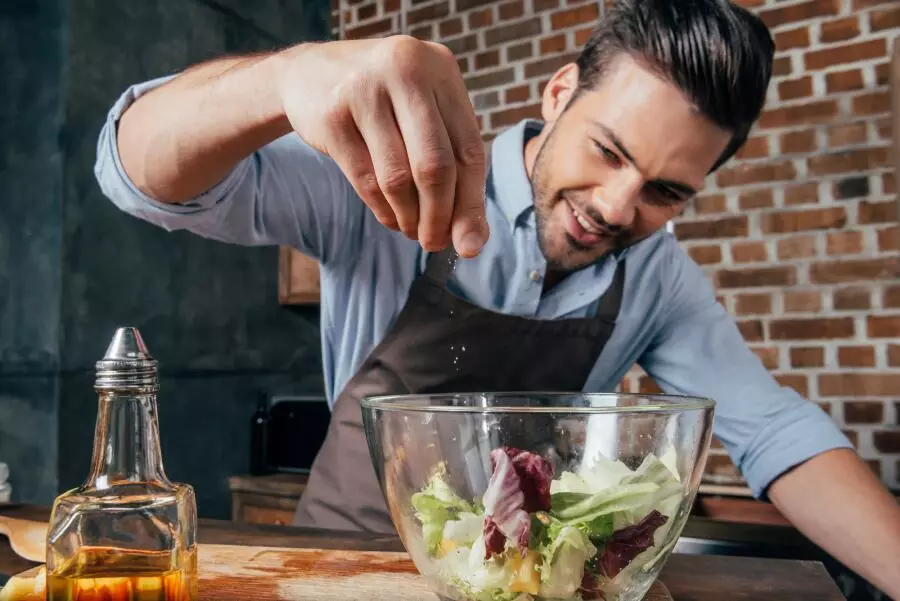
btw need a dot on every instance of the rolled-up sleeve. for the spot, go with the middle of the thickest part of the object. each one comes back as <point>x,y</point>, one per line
<point>286,193</point>
<point>766,428</point>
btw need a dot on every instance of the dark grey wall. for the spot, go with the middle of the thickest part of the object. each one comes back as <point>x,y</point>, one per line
<point>208,311</point>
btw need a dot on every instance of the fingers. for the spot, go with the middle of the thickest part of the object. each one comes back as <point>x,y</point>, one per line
<point>431,162</point>
<point>469,226</point>
<point>348,149</point>
<point>388,154</point>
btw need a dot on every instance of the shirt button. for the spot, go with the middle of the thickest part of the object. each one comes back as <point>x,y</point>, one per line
<point>535,276</point>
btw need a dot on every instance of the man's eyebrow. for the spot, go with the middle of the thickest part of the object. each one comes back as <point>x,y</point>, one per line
<point>617,142</point>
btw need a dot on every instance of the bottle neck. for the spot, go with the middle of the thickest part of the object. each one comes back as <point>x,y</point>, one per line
<point>126,441</point>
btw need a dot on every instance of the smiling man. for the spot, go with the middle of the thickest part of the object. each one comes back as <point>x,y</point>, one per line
<point>366,156</point>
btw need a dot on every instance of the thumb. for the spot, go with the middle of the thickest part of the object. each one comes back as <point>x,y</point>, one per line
<point>470,230</point>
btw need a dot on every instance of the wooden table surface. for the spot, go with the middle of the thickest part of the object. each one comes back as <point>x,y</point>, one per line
<point>688,577</point>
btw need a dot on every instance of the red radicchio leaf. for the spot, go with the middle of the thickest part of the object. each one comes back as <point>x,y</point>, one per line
<point>589,587</point>
<point>535,474</point>
<point>628,543</point>
<point>514,473</point>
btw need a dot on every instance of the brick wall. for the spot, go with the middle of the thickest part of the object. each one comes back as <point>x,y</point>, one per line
<point>799,232</point>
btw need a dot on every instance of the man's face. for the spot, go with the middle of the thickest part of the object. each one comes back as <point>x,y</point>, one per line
<point>616,163</point>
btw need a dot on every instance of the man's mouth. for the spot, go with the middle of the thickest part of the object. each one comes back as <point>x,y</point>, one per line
<point>583,229</point>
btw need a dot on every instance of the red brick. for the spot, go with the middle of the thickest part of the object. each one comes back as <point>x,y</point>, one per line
<point>854,270</point>
<point>749,252</point>
<point>753,174</point>
<point>815,328</point>
<point>859,384</point>
<point>510,116</point>
<point>705,255</point>
<point>781,66</point>
<point>519,51</point>
<point>849,161</point>
<point>886,441</point>
<point>481,18</point>
<point>785,275</point>
<point>839,30</point>
<point>428,13</point>
<point>555,43</point>
<point>847,134</point>
<point>483,60</point>
<point>878,212</point>
<point>875,466</point>
<point>486,100</point>
<point>891,297</point>
<point>517,94</point>
<point>850,187</point>
<point>799,12</point>
<point>366,12</point>
<point>583,35</point>
<point>881,74</point>
<point>756,199</point>
<point>461,45</point>
<point>853,436</point>
<point>489,80</point>
<point>826,407</point>
<point>751,330</point>
<point>796,247</point>
<point>368,30</point>
<point>883,19</point>
<point>852,298</point>
<point>844,81</point>
<point>893,355</point>
<point>863,412</point>
<point>754,148</point>
<point>874,103</point>
<point>546,66</point>
<point>889,239</point>
<point>542,5</point>
<point>450,27</point>
<point>798,382</point>
<point>808,113</point>
<point>587,13</point>
<point>511,10</point>
<point>790,89</point>
<point>753,304</point>
<point>883,326</point>
<point>462,5</point>
<point>792,38</point>
<point>884,129</point>
<point>727,227</point>
<point>513,31</point>
<point>784,222</point>
<point>647,385</point>
<point>856,356</point>
<point>799,194</point>
<point>848,53</point>
<point>844,243</point>
<point>802,301</point>
<point>768,356</point>
<point>713,203</point>
<point>423,32</point>
<point>798,141</point>
<point>807,356</point>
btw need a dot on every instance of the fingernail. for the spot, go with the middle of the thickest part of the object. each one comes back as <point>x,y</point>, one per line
<point>470,244</point>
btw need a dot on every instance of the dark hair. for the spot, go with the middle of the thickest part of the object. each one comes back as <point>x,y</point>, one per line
<point>719,54</point>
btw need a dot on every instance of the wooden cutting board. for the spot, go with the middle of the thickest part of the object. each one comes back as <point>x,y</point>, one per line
<point>241,573</point>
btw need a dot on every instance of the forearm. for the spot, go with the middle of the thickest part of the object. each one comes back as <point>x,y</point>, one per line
<point>182,138</point>
<point>836,501</point>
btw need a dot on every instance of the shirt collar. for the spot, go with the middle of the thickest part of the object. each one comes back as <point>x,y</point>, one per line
<point>509,177</point>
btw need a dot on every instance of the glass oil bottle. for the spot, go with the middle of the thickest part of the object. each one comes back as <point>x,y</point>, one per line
<point>128,533</point>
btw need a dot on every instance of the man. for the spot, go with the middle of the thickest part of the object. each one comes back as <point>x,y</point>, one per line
<point>366,155</point>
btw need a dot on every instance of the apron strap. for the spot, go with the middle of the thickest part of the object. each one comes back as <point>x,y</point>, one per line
<point>609,304</point>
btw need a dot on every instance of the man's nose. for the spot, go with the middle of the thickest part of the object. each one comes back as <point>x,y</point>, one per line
<point>616,200</point>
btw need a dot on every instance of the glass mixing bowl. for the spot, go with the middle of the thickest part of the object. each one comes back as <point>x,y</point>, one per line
<point>539,496</point>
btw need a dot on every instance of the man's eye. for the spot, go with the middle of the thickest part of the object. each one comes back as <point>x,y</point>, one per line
<point>609,154</point>
<point>666,194</point>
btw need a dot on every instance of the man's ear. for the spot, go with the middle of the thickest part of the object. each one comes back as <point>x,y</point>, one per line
<point>558,92</point>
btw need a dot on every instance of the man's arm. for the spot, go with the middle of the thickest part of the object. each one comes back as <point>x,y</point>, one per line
<point>393,114</point>
<point>785,446</point>
<point>836,501</point>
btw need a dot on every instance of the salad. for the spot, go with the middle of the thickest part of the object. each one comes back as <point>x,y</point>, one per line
<point>531,537</point>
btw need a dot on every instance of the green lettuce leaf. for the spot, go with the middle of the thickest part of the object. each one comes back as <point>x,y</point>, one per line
<point>435,505</point>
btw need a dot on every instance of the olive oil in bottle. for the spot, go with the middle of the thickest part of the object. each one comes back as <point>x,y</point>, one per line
<point>128,533</point>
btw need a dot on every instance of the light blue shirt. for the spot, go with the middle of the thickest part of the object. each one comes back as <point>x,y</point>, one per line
<point>670,322</point>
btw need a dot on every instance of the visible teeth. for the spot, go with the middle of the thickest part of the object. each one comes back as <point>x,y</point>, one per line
<point>584,222</point>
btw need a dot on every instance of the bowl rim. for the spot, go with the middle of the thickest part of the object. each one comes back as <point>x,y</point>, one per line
<point>663,403</point>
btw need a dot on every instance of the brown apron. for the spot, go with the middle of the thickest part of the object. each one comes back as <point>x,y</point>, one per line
<point>421,354</point>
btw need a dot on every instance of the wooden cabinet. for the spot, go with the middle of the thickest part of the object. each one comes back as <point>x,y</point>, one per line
<point>298,278</point>
<point>268,500</point>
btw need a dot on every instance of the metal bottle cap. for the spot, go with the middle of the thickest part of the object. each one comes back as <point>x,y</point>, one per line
<point>127,364</point>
